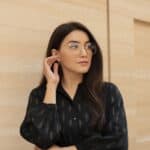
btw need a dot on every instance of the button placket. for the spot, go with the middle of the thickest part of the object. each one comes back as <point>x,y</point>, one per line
<point>76,116</point>
<point>74,113</point>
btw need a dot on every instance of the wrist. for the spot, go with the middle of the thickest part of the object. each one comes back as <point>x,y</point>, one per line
<point>70,148</point>
<point>51,85</point>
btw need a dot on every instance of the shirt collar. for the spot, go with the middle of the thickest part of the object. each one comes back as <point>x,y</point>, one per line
<point>61,89</point>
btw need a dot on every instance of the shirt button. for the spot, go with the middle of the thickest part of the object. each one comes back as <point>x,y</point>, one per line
<point>74,118</point>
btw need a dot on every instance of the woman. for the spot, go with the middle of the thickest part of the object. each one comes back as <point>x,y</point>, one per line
<point>73,108</point>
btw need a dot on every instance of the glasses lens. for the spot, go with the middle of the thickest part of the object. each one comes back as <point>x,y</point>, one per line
<point>73,45</point>
<point>89,46</point>
<point>92,47</point>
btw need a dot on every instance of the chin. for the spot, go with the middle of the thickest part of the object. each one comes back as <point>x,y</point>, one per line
<point>82,71</point>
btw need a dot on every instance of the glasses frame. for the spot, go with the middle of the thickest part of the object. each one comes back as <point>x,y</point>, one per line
<point>93,48</point>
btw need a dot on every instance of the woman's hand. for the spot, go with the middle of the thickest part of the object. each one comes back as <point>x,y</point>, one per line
<point>55,147</point>
<point>52,77</point>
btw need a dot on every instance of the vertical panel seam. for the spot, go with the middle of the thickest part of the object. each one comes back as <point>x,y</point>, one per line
<point>108,39</point>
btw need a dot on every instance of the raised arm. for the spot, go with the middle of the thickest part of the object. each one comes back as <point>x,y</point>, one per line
<point>41,124</point>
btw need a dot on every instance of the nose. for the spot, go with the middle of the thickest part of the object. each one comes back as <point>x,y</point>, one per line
<point>83,51</point>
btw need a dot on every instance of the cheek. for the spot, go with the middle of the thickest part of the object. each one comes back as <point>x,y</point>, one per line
<point>90,59</point>
<point>68,59</point>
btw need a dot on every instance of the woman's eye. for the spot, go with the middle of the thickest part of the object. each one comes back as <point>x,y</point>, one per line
<point>89,45</point>
<point>73,46</point>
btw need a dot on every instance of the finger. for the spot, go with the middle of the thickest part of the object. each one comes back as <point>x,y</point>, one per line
<point>50,60</point>
<point>47,69</point>
<point>56,68</point>
<point>52,56</point>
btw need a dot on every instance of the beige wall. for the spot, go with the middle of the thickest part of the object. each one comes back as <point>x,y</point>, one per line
<point>130,64</point>
<point>122,28</point>
<point>25,29</point>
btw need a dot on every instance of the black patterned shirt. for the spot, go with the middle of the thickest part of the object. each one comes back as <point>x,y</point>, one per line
<point>67,122</point>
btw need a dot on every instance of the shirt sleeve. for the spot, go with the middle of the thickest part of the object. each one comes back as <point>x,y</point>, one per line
<point>41,125</point>
<point>115,135</point>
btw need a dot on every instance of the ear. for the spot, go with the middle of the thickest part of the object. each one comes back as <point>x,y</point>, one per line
<point>55,52</point>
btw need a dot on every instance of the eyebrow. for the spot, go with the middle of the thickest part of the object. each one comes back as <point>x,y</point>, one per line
<point>73,41</point>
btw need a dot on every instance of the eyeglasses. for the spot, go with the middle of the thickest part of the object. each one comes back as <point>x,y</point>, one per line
<point>76,47</point>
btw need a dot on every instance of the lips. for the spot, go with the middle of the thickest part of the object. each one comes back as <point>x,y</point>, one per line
<point>83,62</point>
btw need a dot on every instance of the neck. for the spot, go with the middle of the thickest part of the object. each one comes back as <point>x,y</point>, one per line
<point>71,80</point>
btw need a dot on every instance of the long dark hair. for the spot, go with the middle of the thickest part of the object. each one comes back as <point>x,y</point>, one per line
<point>93,79</point>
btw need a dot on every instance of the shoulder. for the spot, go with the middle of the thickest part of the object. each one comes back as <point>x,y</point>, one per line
<point>113,92</point>
<point>37,92</point>
<point>110,87</point>
<point>109,84</point>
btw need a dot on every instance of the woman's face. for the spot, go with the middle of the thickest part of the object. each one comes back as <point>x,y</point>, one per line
<point>74,49</point>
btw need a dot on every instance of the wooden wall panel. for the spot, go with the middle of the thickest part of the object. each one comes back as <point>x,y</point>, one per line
<point>130,65</point>
<point>25,29</point>
<point>142,81</point>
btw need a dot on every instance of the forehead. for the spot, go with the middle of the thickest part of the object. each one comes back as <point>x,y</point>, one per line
<point>77,35</point>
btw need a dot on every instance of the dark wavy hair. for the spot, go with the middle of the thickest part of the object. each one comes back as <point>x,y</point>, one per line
<point>93,79</point>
